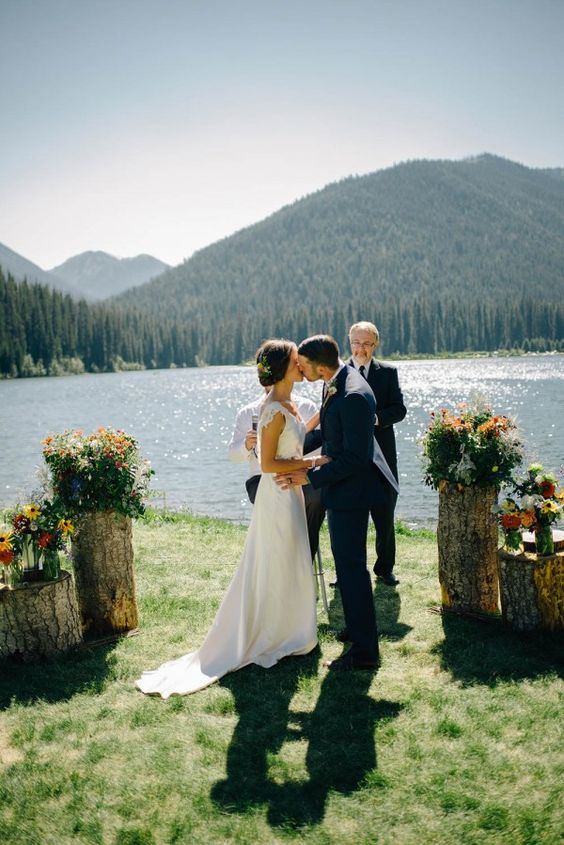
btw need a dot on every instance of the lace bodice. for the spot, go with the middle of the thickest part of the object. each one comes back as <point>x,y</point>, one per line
<point>291,441</point>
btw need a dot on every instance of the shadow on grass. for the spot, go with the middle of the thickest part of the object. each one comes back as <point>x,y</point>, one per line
<point>339,734</point>
<point>56,679</point>
<point>487,652</point>
<point>387,602</point>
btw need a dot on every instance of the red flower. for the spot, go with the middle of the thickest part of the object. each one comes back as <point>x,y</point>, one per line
<point>21,522</point>
<point>45,539</point>
<point>6,557</point>
<point>548,489</point>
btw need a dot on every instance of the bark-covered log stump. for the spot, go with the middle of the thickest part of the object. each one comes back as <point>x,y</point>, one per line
<point>103,559</point>
<point>39,618</point>
<point>467,541</point>
<point>532,591</point>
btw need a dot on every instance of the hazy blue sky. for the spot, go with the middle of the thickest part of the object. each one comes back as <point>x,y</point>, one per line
<point>160,126</point>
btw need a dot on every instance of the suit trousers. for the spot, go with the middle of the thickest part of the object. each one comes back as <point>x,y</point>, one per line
<point>383,519</point>
<point>347,529</point>
<point>315,512</point>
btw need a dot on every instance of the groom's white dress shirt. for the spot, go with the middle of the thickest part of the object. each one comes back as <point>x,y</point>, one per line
<point>238,452</point>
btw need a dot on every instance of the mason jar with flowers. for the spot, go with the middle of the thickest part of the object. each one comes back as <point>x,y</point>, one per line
<point>541,505</point>
<point>101,480</point>
<point>467,454</point>
<point>40,530</point>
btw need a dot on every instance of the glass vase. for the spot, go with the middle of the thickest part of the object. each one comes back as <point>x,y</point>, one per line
<point>513,541</point>
<point>12,573</point>
<point>51,565</point>
<point>31,556</point>
<point>544,541</point>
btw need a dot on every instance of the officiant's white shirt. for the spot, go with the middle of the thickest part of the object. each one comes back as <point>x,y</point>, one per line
<point>238,452</point>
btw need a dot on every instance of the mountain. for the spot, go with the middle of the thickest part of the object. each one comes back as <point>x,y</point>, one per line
<point>98,275</point>
<point>441,255</point>
<point>20,268</point>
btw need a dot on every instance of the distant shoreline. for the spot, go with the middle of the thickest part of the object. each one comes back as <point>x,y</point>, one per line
<point>58,369</point>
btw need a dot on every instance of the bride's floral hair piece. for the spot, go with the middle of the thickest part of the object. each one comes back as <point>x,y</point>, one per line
<point>272,360</point>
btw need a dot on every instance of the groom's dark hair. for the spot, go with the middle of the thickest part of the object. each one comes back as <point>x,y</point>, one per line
<point>320,349</point>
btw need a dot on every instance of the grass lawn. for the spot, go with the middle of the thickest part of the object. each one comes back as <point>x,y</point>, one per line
<point>454,740</point>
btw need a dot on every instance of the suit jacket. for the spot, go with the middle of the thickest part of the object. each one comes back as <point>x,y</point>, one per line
<point>383,379</point>
<point>351,480</point>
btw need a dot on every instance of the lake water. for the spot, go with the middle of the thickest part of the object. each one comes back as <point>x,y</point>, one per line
<point>183,420</point>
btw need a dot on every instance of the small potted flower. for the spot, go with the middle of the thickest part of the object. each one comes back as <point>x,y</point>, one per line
<point>467,454</point>
<point>101,481</point>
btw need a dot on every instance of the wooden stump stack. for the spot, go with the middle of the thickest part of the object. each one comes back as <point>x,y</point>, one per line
<point>532,591</point>
<point>103,561</point>
<point>39,618</point>
<point>467,541</point>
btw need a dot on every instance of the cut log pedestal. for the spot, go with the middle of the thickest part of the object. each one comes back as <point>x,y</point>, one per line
<point>39,618</point>
<point>532,590</point>
<point>102,551</point>
<point>467,542</point>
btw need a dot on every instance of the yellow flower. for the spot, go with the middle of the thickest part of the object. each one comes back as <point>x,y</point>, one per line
<point>550,507</point>
<point>495,469</point>
<point>5,541</point>
<point>66,526</point>
<point>32,511</point>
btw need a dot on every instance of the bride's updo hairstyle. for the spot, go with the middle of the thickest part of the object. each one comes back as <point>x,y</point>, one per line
<point>273,358</point>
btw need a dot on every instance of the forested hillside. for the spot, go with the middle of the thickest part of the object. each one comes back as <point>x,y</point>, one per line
<point>442,256</point>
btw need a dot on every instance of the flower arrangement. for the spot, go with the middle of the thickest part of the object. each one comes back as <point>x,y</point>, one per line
<point>38,532</point>
<point>102,471</point>
<point>537,502</point>
<point>470,447</point>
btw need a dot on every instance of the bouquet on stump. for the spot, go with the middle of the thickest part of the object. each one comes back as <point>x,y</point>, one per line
<point>30,547</point>
<point>536,504</point>
<point>101,479</point>
<point>467,455</point>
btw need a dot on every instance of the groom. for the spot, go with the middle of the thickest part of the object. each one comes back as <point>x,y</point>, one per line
<point>351,485</point>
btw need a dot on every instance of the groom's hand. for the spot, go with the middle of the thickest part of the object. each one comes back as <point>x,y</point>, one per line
<point>296,478</point>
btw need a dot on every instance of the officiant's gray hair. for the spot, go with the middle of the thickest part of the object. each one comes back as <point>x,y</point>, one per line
<point>273,357</point>
<point>365,326</point>
<point>320,349</point>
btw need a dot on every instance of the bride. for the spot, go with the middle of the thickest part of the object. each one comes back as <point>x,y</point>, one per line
<point>268,611</point>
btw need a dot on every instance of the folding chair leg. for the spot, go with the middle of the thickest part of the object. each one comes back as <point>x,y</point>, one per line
<point>321,581</point>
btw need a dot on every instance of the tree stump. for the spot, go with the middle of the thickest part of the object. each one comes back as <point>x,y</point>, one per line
<point>39,618</point>
<point>103,559</point>
<point>467,541</point>
<point>532,591</point>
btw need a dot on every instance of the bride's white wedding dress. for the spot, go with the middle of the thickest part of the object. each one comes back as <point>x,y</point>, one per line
<point>269,609</point>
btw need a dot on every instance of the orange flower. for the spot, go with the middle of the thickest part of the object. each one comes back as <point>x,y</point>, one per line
<point>45,539</point>
<point>527,518</point>
<point>5,541</point>
<point>511,520</point>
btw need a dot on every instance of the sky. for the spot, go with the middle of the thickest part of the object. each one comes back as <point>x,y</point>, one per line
<point>162,126</point>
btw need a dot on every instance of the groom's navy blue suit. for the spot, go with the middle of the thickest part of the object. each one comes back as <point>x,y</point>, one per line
<point>351,485</point>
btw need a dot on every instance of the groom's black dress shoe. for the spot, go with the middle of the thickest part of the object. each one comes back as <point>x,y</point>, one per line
<point>389,580</point>
<point>343,635</point>
<point>348,663</point>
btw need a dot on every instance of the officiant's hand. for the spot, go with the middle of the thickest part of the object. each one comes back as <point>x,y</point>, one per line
<point>250,440</point>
